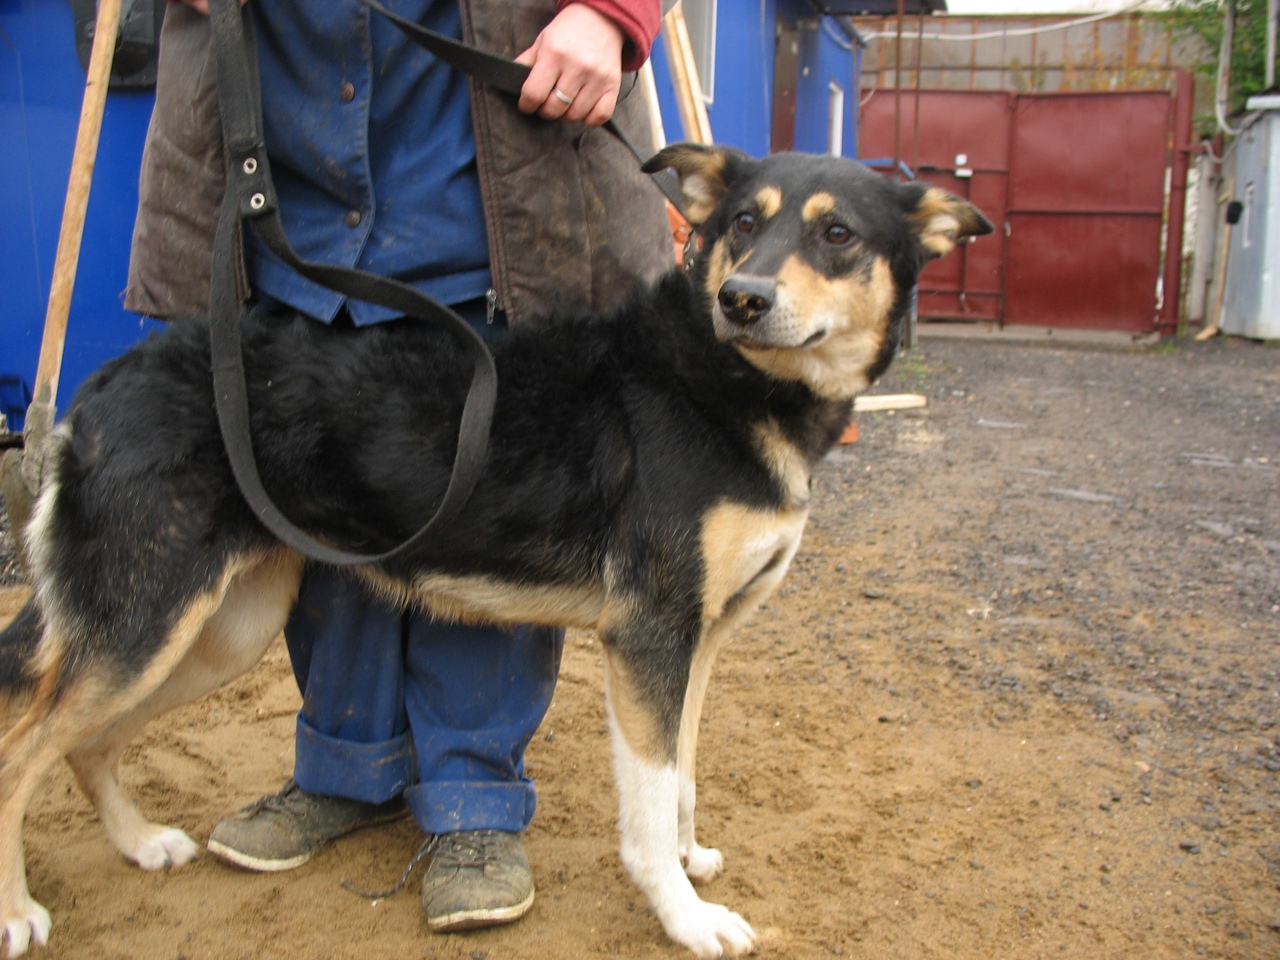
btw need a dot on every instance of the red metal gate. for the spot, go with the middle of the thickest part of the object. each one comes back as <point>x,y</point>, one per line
<point>1075,183</point>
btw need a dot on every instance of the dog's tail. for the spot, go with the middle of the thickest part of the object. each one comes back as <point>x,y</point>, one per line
<point>18,644</point>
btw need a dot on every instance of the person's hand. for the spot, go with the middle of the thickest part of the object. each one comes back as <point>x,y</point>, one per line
<point>202,5</point>
<point>577,67</point>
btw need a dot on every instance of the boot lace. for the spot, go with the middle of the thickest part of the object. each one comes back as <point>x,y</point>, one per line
<point>472,848</point>
<point>428,846</point>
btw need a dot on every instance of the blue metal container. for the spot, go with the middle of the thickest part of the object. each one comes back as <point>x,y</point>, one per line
<point>41,89</point>
<point>736,45</point>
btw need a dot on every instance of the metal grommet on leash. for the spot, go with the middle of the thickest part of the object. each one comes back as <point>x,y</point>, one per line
<point>250,166</point>
<point>257,201</point>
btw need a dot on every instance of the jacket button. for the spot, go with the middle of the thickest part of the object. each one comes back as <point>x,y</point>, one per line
<point>348,92</point>
<point>353,218</point>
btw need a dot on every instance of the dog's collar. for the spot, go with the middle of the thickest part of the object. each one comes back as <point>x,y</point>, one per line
<point>689,253</point>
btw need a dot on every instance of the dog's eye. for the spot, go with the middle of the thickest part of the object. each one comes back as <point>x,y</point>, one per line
<point>838,234</point>
<point>745,223</point>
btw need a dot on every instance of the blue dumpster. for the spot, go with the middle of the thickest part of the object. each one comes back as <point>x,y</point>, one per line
<point>41,89</point>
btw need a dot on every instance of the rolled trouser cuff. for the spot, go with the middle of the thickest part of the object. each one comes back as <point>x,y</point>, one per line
<point>454,806</point>
<point>371,772</point>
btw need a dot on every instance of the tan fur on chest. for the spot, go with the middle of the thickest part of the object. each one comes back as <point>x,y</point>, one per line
<point>785,462</point>
<point>746,552</point>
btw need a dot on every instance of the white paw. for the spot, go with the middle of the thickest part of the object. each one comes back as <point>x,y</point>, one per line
<point>712,931</point>
<point>702,863</point>
<point>163,847</point>
<point>32,926</point>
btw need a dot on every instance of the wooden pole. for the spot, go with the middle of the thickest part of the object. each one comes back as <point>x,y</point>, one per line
<point>22,471</point>
<point>684,75</point>
<point>649,90</point>
<point>1181,160</point>
<point>897,95</point>
<point>73,213</point>
<point>1213,322</point>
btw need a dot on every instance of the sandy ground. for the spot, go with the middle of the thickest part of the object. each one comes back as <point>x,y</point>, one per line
<point>1018,698</point>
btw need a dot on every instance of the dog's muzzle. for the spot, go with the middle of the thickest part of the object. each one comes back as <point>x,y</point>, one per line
<point>745,300</point>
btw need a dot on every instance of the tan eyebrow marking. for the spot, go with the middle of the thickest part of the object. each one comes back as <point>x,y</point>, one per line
<point>769,201</point>
<point>819,205</point>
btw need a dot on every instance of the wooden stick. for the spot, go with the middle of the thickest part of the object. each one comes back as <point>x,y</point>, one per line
<point>889,401</point>
<point>1213,323</point>
<point>77,202</point>
<point>649,90</point>
<point>684,74</point>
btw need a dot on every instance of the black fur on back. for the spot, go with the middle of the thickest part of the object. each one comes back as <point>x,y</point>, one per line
<point>639,420</point>
<point>355,432</point>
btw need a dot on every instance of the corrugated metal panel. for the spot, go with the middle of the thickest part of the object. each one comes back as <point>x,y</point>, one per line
<point>880,8</point>
<point>1130,52</point>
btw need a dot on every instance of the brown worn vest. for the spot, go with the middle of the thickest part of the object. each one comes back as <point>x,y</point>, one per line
<point>571,219</point>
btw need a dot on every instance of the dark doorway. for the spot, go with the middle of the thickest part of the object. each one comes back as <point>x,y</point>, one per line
<point>786,77</point>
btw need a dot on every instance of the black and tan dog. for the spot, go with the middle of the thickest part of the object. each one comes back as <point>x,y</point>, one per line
<point>648,476</point>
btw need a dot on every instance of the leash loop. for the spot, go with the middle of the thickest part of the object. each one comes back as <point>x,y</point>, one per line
<point>250,196</point>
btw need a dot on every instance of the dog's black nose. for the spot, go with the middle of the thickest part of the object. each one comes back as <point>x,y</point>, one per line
<point>745,300</point>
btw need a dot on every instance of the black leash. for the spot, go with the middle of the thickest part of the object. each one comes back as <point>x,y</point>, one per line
<point>250,197</point>
<point>509,77</point>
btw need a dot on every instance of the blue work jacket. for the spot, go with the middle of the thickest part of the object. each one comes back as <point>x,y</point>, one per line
<point>373,152</point>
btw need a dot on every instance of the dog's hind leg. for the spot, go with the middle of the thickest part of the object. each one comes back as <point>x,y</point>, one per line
<point>74,704</point>
<point>233,639</point>
<point>645,681</point>
<point>62,715</point>
<point>34,745</point>
<point>149,845</point>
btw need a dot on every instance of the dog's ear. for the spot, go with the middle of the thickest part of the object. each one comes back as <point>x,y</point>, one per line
<point>705,174</point>
<point>941,218</point>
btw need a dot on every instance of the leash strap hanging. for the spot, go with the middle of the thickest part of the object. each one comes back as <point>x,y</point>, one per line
<point>250,195</point>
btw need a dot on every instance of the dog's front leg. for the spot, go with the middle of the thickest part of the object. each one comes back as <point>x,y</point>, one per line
<point>702,864</point>
<point>645,695</point>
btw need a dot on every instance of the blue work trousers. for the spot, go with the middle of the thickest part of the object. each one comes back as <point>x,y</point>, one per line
<point>396,702</point>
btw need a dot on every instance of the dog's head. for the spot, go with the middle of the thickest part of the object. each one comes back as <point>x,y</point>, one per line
<point>808,262</point>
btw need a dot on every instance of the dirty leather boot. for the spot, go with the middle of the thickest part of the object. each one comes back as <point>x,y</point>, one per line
<point>477,878</point>
<point>286,829</point>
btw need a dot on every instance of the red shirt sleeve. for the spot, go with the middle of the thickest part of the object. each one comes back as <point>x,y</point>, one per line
<point>640,20</point>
